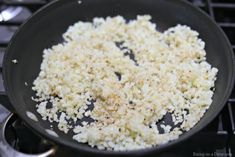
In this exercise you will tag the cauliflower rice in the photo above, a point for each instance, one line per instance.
(125, 77)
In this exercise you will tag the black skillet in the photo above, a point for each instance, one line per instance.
(45, 29)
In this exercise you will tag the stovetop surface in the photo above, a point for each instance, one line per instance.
(217, 139)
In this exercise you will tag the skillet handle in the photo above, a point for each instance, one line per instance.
(6, 103)
(4, 98)
(7, 151)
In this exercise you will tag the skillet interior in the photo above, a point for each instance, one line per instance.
(46, 27)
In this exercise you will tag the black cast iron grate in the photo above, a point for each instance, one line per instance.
(218, 139)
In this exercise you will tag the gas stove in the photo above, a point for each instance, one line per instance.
(216, 140)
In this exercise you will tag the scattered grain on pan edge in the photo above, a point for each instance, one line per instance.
(169, 73)
(14, 61)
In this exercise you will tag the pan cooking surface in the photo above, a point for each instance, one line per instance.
(47, 25)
